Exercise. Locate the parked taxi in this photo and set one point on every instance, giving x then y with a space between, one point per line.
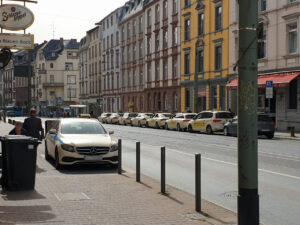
209 121
180 121
141 119
126 118
158 120
113 118
103 117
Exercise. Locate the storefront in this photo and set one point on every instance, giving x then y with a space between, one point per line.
285 104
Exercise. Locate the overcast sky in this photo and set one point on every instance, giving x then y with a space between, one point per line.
70 18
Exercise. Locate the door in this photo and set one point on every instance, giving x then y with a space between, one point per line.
198 123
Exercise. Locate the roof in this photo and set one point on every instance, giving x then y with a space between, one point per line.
131 8
53 48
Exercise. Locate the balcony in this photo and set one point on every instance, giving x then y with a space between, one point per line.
53 85
42 71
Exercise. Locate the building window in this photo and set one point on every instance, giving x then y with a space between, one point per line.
141 76
51 79
218 18
175 102
68 66
128 30
165 37
117 38
187 63
263 5
214 95
148 45
149 17
165 71
123 35
187 98
111 42
165 101
200 24
133 26
71 92
218 57
175 6
51 65
200 61
187 29
71 79
293 94
134 53
175 36
141 49
165 9
157 70
261 41
149 72
140 24
157 42
292 38
175 68
222 97
157 13
187 3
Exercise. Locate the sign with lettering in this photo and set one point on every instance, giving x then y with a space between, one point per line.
17 41
269 89
15 17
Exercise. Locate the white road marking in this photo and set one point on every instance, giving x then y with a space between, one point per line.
228 163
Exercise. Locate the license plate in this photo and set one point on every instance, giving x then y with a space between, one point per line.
93 158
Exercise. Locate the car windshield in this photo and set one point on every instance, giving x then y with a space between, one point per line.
189 116
82 128
224 115
264 118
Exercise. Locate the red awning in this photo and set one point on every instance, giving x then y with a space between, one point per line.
279 80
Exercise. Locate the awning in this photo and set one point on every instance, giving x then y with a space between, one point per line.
279 80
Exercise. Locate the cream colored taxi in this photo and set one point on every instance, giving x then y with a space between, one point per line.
209 121
180 121
80 141
158 120
113 118
141 119
103 117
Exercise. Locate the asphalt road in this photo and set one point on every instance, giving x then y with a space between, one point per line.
279 168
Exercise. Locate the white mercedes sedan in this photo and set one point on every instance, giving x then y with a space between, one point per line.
79 141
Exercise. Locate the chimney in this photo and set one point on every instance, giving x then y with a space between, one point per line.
61 40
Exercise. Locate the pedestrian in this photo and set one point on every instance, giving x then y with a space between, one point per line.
232 113
18 130
33 125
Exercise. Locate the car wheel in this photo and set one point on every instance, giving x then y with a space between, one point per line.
47 156
270 136
209 130
131 123
58 166
178 127
226 131
190 129
157 126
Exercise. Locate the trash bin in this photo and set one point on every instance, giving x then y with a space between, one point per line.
19 155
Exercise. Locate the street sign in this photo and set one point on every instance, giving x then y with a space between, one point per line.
17 41
269 89
15 17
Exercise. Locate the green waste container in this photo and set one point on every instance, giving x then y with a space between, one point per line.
19 155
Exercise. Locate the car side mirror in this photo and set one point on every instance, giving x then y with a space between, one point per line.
52 131
111 132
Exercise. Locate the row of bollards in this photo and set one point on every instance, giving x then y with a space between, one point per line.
163 171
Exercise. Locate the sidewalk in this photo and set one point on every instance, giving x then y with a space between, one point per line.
98 195
286 135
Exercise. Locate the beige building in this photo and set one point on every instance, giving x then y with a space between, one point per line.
278 59
56 76
83 74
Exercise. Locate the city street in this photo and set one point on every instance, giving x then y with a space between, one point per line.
279 168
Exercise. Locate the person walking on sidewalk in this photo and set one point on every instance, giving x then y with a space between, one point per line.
18 130
33 125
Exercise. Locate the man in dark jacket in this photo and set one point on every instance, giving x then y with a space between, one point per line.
33 125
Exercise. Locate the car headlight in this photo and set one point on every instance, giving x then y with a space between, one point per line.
68 148
114 148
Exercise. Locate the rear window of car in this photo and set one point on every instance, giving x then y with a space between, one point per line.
189 116
224 115
108 114
149 114
166 115
264 118
133 115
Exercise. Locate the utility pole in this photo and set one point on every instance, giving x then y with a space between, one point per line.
248 199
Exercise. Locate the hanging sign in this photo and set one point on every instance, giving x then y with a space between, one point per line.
17 41
15 17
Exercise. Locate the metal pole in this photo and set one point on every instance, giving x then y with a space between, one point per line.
163 170
119 156
248 199
198 182
138 162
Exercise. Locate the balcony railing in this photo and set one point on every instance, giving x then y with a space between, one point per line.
55 84
42 71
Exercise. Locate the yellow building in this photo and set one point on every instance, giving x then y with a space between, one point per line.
204 50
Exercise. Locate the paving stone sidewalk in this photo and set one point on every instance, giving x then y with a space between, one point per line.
97 195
